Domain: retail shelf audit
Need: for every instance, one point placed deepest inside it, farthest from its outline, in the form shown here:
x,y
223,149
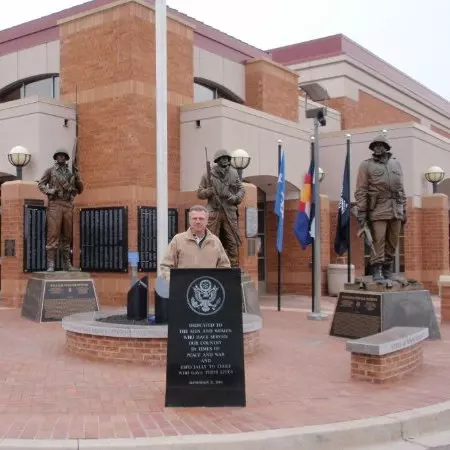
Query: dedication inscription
x,y
205,354
50,296
356,315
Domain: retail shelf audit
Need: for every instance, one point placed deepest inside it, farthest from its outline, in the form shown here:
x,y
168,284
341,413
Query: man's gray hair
x,y
198,208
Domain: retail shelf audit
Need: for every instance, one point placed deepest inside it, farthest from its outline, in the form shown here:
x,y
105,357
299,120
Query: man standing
x,y
381,203
195,248
224,191
61,187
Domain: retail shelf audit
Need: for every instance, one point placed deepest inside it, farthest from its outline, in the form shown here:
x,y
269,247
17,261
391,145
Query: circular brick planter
x,y
139,344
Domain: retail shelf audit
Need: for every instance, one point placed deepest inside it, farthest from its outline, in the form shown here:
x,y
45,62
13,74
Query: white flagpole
x,y
161,130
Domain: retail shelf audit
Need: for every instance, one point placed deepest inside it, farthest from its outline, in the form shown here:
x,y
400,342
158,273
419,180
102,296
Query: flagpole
x,y
313,285
349,250
279,253
317,314
161,131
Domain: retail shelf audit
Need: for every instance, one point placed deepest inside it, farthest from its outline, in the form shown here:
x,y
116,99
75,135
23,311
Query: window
x,y
45,87
205,90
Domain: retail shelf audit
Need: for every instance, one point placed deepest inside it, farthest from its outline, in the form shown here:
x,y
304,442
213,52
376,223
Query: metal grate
x,y
34,238
34,231
104,239
147,235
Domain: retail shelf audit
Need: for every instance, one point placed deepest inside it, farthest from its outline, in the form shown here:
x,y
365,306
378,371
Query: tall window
x,y
45,87
205,90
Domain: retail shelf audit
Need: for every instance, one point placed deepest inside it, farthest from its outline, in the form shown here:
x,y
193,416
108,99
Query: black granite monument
x,y
205,354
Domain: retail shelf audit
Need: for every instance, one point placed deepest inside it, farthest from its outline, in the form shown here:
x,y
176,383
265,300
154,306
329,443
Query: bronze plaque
x,y
356,315
62,298
10,247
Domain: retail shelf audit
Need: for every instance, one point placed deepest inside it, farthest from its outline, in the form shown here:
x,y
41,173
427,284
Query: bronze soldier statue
x,y
381,204
224,190
61,187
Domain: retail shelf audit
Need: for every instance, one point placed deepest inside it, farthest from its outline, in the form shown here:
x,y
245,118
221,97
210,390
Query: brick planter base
x,y
386,368
151,351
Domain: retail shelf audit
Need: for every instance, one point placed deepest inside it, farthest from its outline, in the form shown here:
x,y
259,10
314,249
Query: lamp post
x,y
19,157
434,175
240,160
317,93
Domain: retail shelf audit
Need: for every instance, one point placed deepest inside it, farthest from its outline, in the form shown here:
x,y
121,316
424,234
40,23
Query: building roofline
x,y
340,44
24,35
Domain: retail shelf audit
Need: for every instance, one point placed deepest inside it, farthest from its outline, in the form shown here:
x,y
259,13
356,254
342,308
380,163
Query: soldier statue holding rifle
x,y
222,187
381,204
61,185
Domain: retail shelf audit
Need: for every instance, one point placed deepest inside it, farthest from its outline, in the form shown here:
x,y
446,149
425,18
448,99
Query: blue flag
x,y
279,202
343,225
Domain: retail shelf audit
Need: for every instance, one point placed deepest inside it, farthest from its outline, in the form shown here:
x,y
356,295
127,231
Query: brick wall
x,y
14,280
295,262
368,111
435,238
133,350
413,242
386,368
271,88
114,85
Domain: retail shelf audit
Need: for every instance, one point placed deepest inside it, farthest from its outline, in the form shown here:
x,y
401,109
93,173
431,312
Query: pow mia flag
x,y
341,242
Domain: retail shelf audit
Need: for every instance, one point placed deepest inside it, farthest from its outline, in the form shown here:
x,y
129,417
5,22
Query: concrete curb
x,y
343,435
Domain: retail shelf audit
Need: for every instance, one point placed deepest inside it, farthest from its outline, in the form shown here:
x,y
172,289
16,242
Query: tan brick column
x,y
14,280
444,293
435,238
272,88
413,242
108,64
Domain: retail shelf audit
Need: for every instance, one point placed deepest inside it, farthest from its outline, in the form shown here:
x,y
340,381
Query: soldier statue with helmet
x,y
60,186
381,205
222,187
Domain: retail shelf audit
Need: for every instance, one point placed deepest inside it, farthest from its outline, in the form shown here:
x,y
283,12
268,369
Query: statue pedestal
x,y
50,296
368,308
250,295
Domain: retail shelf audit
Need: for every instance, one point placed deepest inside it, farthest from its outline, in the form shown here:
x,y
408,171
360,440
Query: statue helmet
x,y
61,151
220,153
380,139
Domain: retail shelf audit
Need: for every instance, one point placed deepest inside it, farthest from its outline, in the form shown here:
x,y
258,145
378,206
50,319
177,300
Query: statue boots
x,y
377,273
387,271
67,264
51,260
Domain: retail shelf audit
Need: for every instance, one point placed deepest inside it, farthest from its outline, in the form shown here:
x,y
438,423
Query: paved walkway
x,y
300,377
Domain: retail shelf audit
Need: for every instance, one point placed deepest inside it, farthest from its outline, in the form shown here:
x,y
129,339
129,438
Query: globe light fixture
x,y
19,157
434,175
240,160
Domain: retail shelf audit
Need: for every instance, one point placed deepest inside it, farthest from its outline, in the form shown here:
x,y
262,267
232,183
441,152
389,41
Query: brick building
x,y
221,93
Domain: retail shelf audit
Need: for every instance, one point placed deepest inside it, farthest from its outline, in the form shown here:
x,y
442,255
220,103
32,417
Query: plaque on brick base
x,y
50,296
361,313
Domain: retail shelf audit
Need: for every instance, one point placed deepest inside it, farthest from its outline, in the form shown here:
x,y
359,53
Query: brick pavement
x,y
300,377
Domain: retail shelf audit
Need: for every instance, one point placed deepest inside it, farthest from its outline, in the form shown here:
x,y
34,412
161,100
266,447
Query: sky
x,y
412,35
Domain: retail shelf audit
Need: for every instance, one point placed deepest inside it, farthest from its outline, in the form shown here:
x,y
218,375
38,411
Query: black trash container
x,y
161,301
137,304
